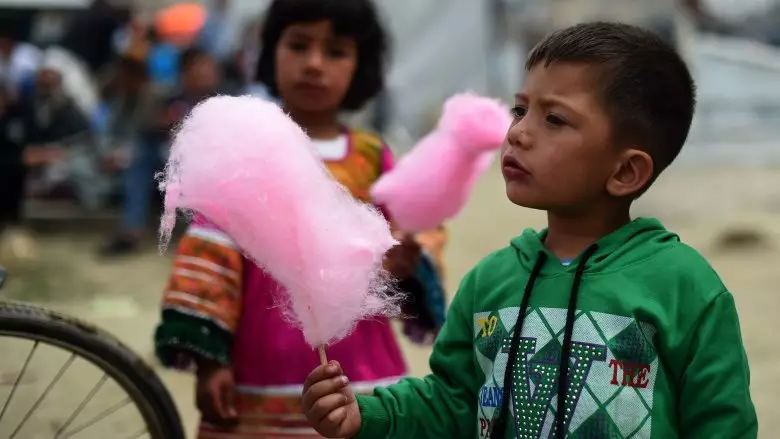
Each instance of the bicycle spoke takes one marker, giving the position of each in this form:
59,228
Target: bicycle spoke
43,395
83,404
96,419
18,380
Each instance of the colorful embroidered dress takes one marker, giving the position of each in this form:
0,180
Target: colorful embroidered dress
220,306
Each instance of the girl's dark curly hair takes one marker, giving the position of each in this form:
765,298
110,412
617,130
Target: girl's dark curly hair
356,19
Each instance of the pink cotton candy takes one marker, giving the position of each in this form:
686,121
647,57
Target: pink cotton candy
432,183
247,167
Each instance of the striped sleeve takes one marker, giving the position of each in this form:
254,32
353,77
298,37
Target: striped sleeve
202,300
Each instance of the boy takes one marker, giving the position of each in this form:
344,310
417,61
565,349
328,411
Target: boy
648,333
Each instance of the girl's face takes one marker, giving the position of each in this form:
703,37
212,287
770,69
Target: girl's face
314,67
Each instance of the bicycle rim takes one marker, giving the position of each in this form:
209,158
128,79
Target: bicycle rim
104,351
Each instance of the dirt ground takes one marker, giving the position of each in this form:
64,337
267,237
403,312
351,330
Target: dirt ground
731,215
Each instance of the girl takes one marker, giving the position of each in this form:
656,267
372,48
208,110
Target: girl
323,56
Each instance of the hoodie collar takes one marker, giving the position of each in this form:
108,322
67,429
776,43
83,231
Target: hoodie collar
636,240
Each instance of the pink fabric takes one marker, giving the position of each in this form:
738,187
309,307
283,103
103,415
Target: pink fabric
268,352
388,160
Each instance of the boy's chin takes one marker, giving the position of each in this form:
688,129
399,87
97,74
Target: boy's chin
521,197
528,204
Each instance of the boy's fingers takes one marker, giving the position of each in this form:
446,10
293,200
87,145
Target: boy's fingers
323,388
346,391
322,408
335,418
322,373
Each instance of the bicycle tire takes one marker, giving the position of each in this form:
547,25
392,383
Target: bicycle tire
103,350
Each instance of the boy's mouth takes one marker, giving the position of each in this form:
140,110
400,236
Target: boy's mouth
512,168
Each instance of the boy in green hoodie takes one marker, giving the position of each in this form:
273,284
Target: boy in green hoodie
624,331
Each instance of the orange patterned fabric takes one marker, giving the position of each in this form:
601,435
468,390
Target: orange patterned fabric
206,281
266,416
362,166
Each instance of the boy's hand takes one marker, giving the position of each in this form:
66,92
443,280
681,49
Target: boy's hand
215,395
329,404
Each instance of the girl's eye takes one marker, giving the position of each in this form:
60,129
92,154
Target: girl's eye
555,120
296,46
337,52
518,111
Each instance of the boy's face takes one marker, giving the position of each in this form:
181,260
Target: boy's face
559,155
314,67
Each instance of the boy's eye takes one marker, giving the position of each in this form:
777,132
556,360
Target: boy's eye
555,120
518,111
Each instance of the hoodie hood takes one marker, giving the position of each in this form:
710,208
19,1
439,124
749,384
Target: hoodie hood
632,243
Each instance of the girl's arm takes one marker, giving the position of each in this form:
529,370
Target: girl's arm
202,301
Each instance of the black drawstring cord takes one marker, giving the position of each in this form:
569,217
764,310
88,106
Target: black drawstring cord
499,425
563,370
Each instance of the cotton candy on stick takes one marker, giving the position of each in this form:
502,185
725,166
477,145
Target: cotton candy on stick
432,183
248,168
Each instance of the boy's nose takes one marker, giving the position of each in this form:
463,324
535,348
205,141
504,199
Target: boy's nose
518,135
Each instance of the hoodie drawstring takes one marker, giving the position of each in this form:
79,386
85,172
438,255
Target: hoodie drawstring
563,370
499,426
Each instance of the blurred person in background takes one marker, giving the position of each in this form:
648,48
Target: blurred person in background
12,170
162,62
18,62
140,41
129,110
200,78
132,39
58,148
15,243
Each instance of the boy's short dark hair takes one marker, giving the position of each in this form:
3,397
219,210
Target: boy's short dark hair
190,56
357,19
646,88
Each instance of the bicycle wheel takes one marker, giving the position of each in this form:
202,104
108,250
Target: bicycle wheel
142,386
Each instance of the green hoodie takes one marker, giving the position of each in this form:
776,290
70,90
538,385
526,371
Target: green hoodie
655,349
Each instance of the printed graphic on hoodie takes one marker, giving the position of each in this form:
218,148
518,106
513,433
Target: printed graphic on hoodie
612,372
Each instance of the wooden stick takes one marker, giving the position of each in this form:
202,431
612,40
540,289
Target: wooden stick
323,355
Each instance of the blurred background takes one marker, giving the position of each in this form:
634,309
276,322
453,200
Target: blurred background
77,78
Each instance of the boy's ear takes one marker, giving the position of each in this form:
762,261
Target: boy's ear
632,174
